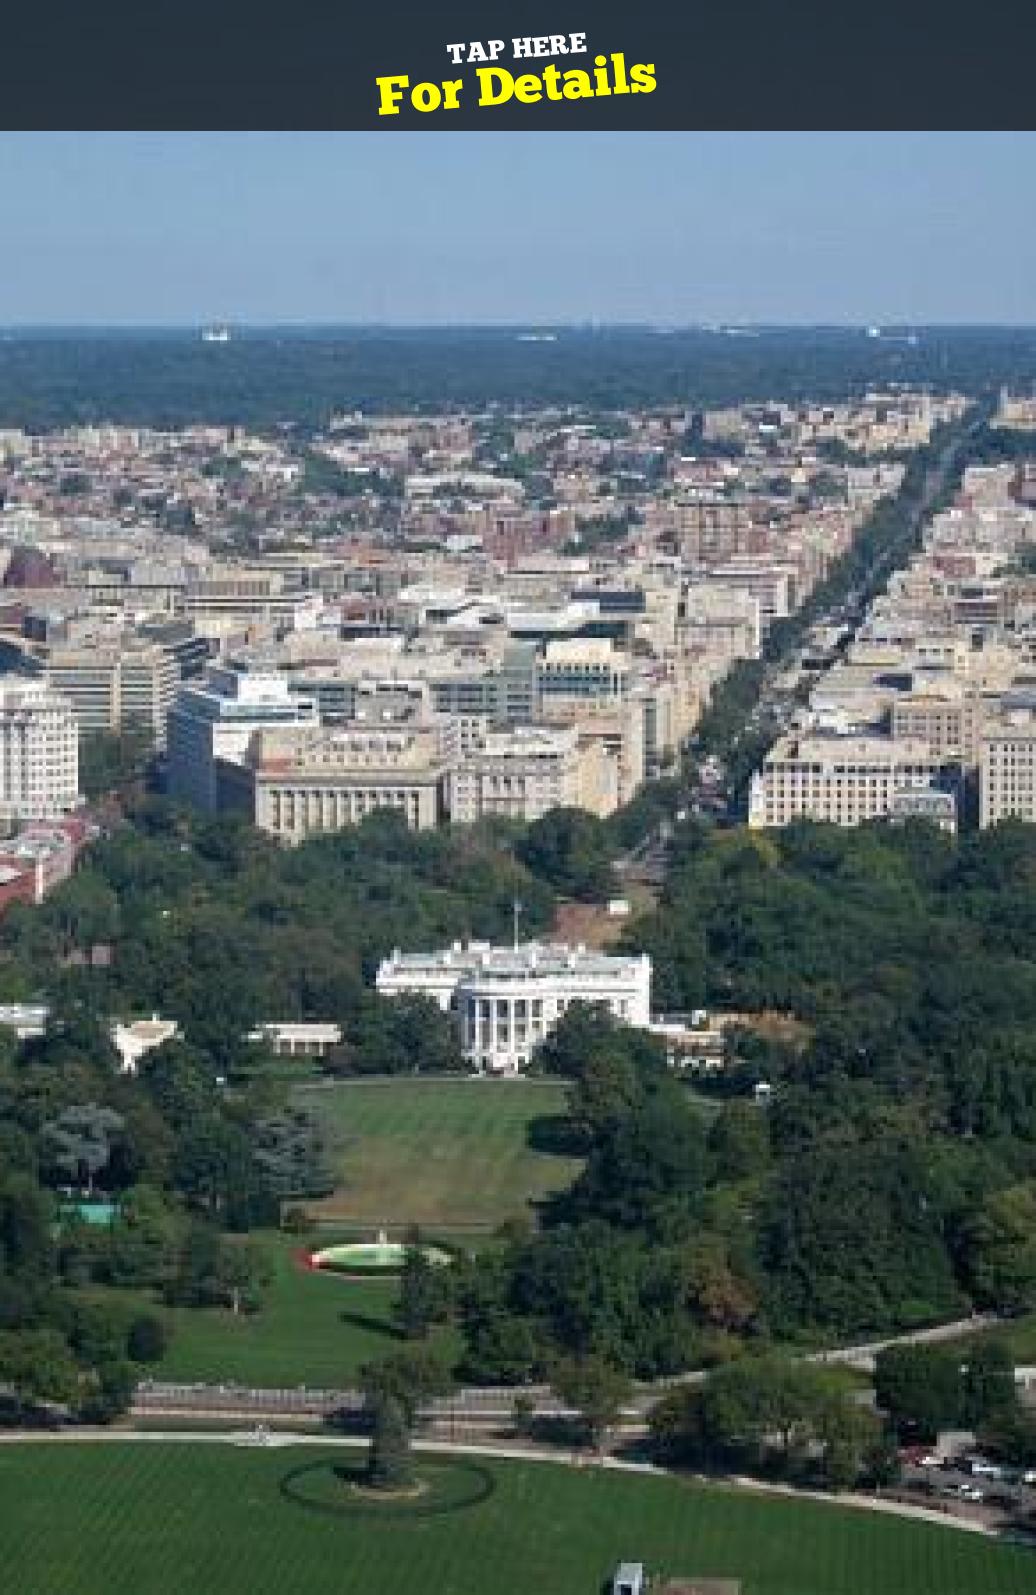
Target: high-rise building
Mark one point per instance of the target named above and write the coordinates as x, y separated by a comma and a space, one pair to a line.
39, 752
216, 720
116, 687
1007, 769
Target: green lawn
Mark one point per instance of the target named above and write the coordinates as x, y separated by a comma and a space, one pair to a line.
314, 1329
1019, 1334
163, 1517
450, 1154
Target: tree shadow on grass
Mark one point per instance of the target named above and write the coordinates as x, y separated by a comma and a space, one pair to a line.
554, 1134
383, 1327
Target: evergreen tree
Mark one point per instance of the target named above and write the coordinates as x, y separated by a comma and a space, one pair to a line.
388, 1461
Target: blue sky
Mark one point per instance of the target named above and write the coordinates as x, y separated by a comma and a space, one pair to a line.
122, 228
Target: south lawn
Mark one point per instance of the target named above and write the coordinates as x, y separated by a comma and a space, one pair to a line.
450, 1154
162, 1518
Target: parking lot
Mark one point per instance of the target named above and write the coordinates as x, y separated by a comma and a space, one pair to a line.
995, 1498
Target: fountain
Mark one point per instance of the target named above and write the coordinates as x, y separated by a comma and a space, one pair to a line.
362, 1259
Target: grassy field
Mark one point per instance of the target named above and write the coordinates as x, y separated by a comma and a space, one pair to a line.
314, 1329
164, 1517
449, 1154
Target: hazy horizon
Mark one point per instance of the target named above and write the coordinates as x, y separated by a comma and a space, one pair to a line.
438, 229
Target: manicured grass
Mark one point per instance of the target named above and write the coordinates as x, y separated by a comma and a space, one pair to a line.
443, 1153
1021, 1337
1018, 1334
163, 1517
314, 1329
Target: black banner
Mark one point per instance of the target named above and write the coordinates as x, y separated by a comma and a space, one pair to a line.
555, 64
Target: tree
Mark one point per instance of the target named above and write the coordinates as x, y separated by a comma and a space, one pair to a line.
573, 851
920, 1388
213, 1271
1001, 1248
763, 1410
408, 1034
148, 1338
410, 1378
988, 1389
596, 1390
1011, 1434
78, 1143
26, 1227
424, 1294
37, 1365
716, 1292
739, 1141
523, 1412
389, 1460
291, 1152
108, 1394
851, 1437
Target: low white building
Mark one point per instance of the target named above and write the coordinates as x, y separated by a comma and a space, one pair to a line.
27, 1020
506, 999
134, 1038
298, 1038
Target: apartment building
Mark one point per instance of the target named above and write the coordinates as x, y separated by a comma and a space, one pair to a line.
719, 621
772, 583
615, 727
505, 1000
710, 529
844, 780
519, 775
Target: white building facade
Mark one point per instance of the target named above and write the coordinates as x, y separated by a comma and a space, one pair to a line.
505, 1000
844, 780
39, 752
1007, 769
518, 774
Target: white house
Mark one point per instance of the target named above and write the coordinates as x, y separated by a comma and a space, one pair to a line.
506, 999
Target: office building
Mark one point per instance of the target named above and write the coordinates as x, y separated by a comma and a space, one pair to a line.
843, 780
216, 719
